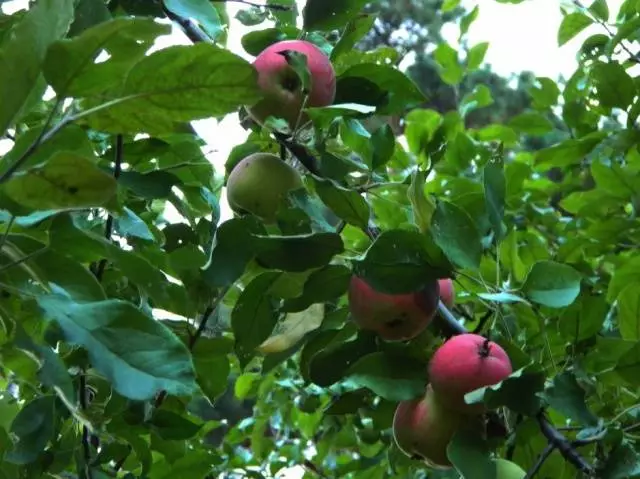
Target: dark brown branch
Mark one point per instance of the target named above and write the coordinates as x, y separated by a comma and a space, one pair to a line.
277, 7
546, 452
190, 28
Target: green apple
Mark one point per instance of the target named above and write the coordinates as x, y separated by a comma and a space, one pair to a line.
259, 185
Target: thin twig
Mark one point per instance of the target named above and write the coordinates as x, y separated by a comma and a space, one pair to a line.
86, 438
190, 28
206, 316
278, 7
108, 229
546, 452
44, 136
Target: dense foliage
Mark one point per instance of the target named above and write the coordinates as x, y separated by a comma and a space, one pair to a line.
532, 211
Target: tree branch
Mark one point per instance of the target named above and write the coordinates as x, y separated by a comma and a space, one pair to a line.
277, 7
189, 27
555, 439
546, 452
450, 323
86, 437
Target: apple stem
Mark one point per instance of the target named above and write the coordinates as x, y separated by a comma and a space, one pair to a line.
300, 113
485, 349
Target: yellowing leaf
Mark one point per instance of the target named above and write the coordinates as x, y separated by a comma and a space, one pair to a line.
293, 329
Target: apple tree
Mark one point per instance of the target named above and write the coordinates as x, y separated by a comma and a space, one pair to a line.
460, 300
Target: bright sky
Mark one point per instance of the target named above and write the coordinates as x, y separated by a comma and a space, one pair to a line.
521, 37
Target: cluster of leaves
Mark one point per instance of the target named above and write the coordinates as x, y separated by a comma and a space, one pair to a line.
96, 384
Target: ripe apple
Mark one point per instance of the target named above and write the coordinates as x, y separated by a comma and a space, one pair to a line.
465, 363
423, 428
283, 96
259, 184
508, 470
395, 317
447, 292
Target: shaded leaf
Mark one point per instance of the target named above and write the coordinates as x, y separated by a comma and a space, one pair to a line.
456, 234
136, 353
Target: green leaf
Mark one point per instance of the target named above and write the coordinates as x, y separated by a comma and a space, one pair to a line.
391, 376
613, 179
621, 463
399, 261
347, 204
628, 366
53, 372
451, 71
552, 284
629, 312
381, 86
383, 144
88, 13
330, 365
600, 10
196, 464
176, 84
254, 316
614, 86
449, 5
297, 253
544, 93
353, 32
70, 66
67, 180
476, 55
456, 234
256, 41
34, 427
568, 152
469, 453
171, 426
233, 248
531, 123
136, 353
201, 11
494, 191
210, 356
423, 205
519, 392
330, 14
567, 397
131, 225
22, 53
571, 25
322, 285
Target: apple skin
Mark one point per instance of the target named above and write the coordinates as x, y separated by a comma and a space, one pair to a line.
447, 292
259, 183
423, 428
463, 364
508, 470
395, 317
282, 90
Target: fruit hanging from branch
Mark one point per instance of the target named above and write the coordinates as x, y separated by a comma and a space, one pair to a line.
284, 95
395, 317
423, 428
259, 184
465, 363
447, 292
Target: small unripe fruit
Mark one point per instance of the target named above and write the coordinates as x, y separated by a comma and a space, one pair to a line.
423, 428
283, 95
260, 183
508, 470
395, 317
447, 292
463, 364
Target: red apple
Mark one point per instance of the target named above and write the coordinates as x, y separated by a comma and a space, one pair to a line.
259, 184
463, 364
423, 428
447, 292
283, 96
395, 317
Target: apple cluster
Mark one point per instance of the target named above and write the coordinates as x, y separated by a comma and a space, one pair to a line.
259, 183
423, 427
